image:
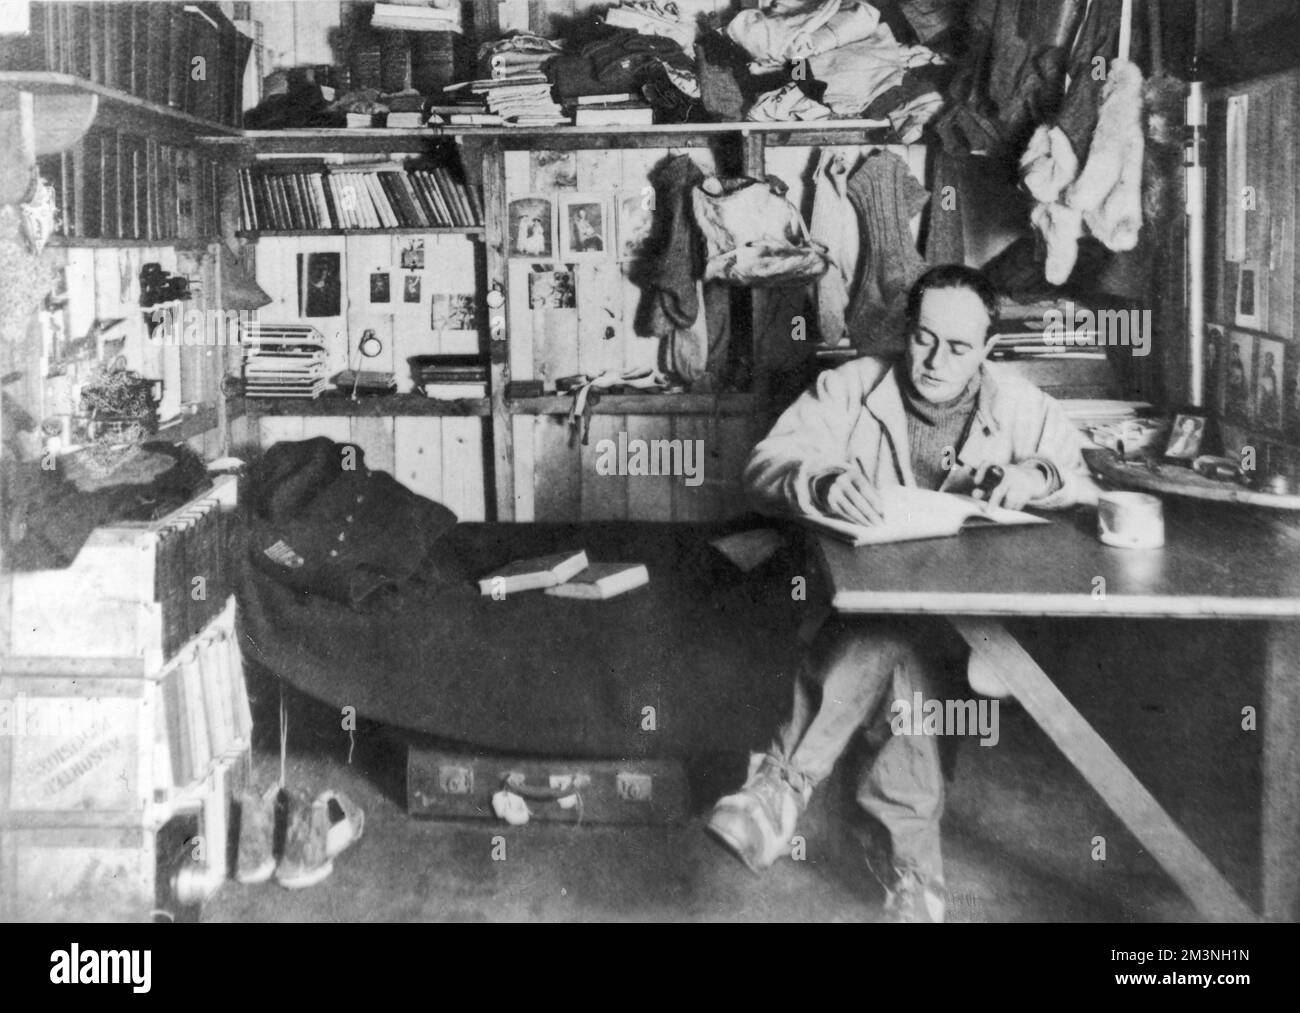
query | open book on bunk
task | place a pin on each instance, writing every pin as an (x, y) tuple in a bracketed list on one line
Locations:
[(913, 514)]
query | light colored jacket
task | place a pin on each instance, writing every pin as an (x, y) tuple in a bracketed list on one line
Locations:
[(853, 417)]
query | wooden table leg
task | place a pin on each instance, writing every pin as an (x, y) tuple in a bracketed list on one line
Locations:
[(1106, 772), (1281, 816)]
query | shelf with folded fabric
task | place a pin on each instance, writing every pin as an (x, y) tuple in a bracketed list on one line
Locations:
[(369, 406), (637, 404)]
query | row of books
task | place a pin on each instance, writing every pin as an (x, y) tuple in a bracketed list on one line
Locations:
[(116, 185), (187, 56), (191, 578), (364, 198), (205, 713)]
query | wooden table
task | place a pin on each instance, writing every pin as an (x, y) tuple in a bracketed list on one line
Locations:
[(1216, 565)]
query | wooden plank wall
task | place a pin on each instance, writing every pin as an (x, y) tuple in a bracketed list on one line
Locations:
[(1272, 155), (441, 458)]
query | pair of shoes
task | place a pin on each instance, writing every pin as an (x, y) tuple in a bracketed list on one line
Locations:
[(914, 897), (758, 822), (316, 831)]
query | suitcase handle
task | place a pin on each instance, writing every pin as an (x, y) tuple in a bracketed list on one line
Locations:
[(515, 781)]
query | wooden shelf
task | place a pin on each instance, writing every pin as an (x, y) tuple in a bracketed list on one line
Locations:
[(380, 406), (75, 242), (117, 109), (380, 141), (638, 404), (443, 230)]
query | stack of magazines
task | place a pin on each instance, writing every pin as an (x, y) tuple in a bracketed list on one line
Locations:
[(284, 360)]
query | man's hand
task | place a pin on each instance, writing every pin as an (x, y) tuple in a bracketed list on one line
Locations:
[(850, 496), (1020, 484)]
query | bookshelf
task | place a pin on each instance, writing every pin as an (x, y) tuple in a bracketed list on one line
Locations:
[(533, 467)]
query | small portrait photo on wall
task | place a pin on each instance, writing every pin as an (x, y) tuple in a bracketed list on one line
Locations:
[(411, 288), (453, 311), (551, 290), (584, 228), (379, 287), (1268, 384), (412, 256), (1237, 381), (636, 212), (553, 170), (531, 231), (319, 286), (1213, 360)]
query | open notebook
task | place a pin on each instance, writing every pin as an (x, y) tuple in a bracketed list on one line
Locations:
[(912, 514)]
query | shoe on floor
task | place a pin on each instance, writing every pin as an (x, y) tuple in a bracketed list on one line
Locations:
[(758, 822), (306, 860), (346, 822), (255, 859), (914, 898)]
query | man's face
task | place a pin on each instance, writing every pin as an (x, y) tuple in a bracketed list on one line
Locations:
[(947, 345)]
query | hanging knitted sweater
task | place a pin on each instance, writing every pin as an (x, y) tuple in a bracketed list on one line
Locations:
[(885, 195)]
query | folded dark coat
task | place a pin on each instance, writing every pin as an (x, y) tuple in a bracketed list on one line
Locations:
[(321, 522)]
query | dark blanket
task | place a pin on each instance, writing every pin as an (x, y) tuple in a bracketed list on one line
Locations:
[(711, 650)]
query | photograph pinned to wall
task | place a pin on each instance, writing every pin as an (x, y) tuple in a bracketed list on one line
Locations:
[(412, 256), (1291, 386), (1268, 383), (379, 287), (553, 170), (1250, 293), (319, 286), (411, 288), (1241, 361), (551, 289), (453, 311), (584, 227), (1215, 341), (636, 215), (531, 227)]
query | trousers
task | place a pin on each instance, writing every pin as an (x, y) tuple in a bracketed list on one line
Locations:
[(853, 672)]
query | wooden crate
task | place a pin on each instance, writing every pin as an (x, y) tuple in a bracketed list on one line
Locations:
[(106, 867), (459, 785), (98, 759), (110, 604)]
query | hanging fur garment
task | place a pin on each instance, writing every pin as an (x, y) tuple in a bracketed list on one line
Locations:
[(1106, 197)]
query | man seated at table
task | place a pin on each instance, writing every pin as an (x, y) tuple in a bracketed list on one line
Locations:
[(939, 418)]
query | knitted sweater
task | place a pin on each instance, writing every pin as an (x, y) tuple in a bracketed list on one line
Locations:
[(933, 429)]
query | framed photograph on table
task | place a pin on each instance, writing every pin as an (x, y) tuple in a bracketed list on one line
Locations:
[(1185, 437), (584, 227)]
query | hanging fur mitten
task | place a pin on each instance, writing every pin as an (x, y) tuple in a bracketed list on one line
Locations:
[(1048, 165), (1108, 191), (1061, 227)]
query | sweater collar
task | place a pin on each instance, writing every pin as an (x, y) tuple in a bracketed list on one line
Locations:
[(932, 413)]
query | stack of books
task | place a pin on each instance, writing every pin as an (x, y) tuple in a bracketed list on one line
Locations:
[(522, 101), (284, 360), (611, 110), (302, 198), (405, 111), (449, 377), (565, 575)]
